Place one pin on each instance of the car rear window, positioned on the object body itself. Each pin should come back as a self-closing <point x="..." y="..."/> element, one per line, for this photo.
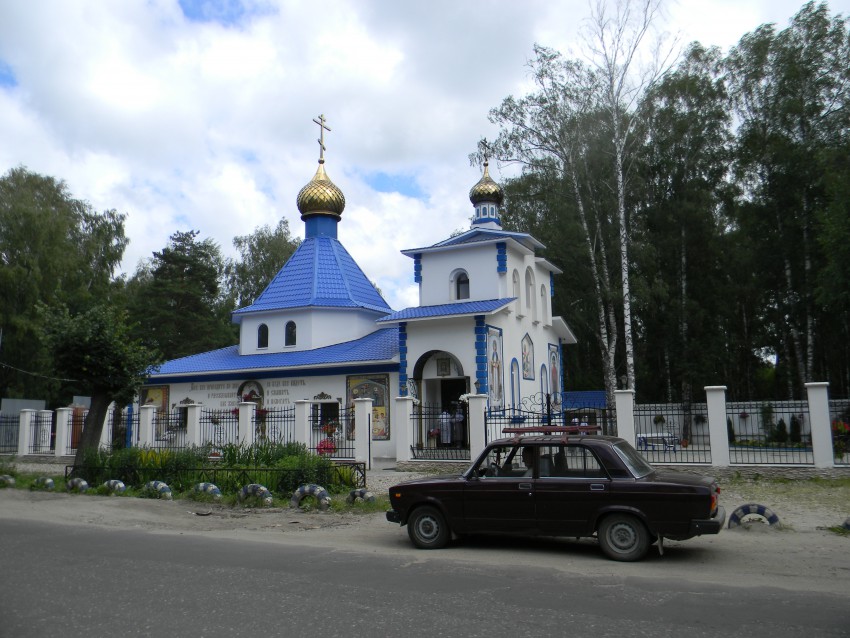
<point x="634" y="461"/>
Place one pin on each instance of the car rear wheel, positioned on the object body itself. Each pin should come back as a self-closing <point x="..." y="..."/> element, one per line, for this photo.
<point x="623" y="537"/>
<point x="427" y="528"/>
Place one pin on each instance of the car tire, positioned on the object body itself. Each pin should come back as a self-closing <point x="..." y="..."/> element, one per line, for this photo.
<point x="428" y="529"/>
<point x="623" y="537"/>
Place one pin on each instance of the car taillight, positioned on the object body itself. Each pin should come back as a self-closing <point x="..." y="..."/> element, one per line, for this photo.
<point x="715" y="495"/>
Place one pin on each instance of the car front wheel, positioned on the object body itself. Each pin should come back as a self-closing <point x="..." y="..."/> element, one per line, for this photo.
<point x="623" y="537"/>
<point x="428" y="529"/>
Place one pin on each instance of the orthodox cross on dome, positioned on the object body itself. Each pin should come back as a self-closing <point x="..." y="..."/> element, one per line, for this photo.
<point x="322" y="128"/>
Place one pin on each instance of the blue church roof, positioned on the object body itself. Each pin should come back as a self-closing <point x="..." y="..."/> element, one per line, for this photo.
<point x="379" y="346"/>
<point x="320" y="273"/>
<point x="447" y="310"/>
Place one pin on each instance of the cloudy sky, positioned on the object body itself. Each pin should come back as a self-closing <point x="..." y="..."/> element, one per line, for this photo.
<point x="194" y="114"/>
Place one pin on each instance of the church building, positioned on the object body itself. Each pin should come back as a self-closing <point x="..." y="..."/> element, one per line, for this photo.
<point x="321" y="330"/>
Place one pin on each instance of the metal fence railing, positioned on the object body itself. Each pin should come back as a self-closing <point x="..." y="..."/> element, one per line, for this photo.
<point x="770" y="433"/>
<point x="170" y="431"/>
<point x="9" y="426"/>
<point x="219" y="427"/>
<point x="332" y="430"/>
<point x="41" y="433"/>
<point x="672" y="432"/>
<point x="439" y="433"/>
<point x="276" y="425"/>
<point x="839" y="420"/>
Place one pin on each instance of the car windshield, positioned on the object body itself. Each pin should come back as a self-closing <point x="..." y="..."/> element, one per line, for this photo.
<point x="637" y="465"/>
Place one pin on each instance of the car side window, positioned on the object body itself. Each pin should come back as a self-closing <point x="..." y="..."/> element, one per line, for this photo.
<point x="503" y="461"/>
<point x="573" y="461"/>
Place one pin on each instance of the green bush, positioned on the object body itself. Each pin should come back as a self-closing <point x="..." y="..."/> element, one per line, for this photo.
<point x="781" y="433"/>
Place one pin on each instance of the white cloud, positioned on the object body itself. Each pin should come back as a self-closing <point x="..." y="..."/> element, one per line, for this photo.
<point x="190" y="124"/>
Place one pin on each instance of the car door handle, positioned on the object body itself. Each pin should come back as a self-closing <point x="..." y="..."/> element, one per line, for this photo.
<point x="525" y="486"/>
<point x="597" y="487"/>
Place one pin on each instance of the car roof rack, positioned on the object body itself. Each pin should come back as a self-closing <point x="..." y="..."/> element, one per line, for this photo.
<point x="552" y="429"/>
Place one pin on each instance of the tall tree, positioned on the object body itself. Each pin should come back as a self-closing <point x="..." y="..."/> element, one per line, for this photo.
<point x="262" y="254"/>
<point x="177" y="298"/>
<point x="790" y="90"/>
<point x="616" y="35"/>
<point x="54" y="249"/>
<point x="96" y="355"/>
<point x="678" y="234"/>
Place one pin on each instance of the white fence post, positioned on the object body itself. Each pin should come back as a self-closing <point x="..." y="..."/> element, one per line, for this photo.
<point x="147" y="414"/>
<point x="302" y="422"/>
<point x="25" y="431"/>
<point x="363" y="431"/>
<point x="477" y="425"/>
<point x="193" y="424"/>
<point x="403" y="412"/>
<point x="819" y="423"/>
<point x="247" y="410"/>
<point x="624" y="400"/>
<point x="63" y="431"/>
<point x="718" y="433"/>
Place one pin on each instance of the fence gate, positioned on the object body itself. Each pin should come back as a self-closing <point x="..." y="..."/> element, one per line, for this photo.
<point x="438" y="434"/>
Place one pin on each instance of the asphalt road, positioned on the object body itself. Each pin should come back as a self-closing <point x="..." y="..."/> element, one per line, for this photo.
<point x="72" y="580"/>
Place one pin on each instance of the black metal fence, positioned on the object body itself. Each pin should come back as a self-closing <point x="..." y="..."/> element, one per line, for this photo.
<point x="219" y="427"/>
<point x="540" y="410"/>
<point x="332" y="430"/>
<point x="768" y="432"/>
<point x="170" y="430"/>
<point x="9" y="427"/>
<point x="439" y="433"/>
<point x="673" y="432"/>
<point x="41" y="433"/>
<point x="839" y="421"/>
<point x="276" y="425"/>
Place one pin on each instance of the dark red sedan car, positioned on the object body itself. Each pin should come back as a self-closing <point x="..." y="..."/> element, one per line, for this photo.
<point x="561" y="485"/>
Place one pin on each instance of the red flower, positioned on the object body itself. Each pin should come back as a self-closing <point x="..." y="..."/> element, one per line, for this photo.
<point x="326" y="446"/>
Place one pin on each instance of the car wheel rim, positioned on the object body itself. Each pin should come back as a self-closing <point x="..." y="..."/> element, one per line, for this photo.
<point x="427" y="528"/>
<point x="622" y="537"/>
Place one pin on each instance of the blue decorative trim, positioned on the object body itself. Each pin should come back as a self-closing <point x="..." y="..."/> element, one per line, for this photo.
<point x="274" y="374"/>
<point x="501" y="257"/>
<point x="417" y="268"/>
<point x="320" y="226"/>
<point x="402" y="359"/>
<point x="551" y="284"/>
<point x="481" y="354"/>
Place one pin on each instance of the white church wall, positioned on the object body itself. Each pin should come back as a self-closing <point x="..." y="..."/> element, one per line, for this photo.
<point x="316" y="328"/>
<point x="479" y="262"/>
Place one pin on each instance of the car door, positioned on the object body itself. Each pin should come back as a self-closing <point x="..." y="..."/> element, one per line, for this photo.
<point x="570" y="495"/>
<point x="499" y="496"/>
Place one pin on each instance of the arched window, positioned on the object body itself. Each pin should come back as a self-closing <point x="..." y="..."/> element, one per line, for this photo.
<point x="263" y="336"/>
<point x="289" y="334"/>
<point x="462" y="286"/>
<point x="516" y="293"/>
<point x="459" y="285"/>
<point x="544" y="305"/>
<point x="530" y="297"/>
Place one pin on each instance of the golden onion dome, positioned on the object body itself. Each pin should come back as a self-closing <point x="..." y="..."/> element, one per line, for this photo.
<point x="320" y="196"/>
<point x="486" y="190"/>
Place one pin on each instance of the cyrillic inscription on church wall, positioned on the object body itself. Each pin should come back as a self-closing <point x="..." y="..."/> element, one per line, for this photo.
<point x="225" y="394"/>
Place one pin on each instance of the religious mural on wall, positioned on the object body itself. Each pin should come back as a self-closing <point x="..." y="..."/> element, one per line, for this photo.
<point x="555" y="374"/>
<point x="495" y="369"/>
<point x="527" y="358"/>
<point x="375" y="387"/>
<point x="155" y="395"/>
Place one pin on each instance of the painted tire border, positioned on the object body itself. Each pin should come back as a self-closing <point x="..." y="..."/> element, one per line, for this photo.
<point x="317" y="491"/>
<point x="44" y="483"/>
<point x="753" y="508"/>
<point x="77" y="485"/>
<point x="115" y="486"/>
<point x="160" y="488"/>
<point x="211" y="489"/>
<point x="7" y="480"/>
<point x="255" y="490"/>
<point x="361" y="493"/>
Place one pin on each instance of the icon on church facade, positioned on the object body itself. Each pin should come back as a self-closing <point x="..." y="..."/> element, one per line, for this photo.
<point x="527" y="358"/>
<point x="495" y="369"/>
